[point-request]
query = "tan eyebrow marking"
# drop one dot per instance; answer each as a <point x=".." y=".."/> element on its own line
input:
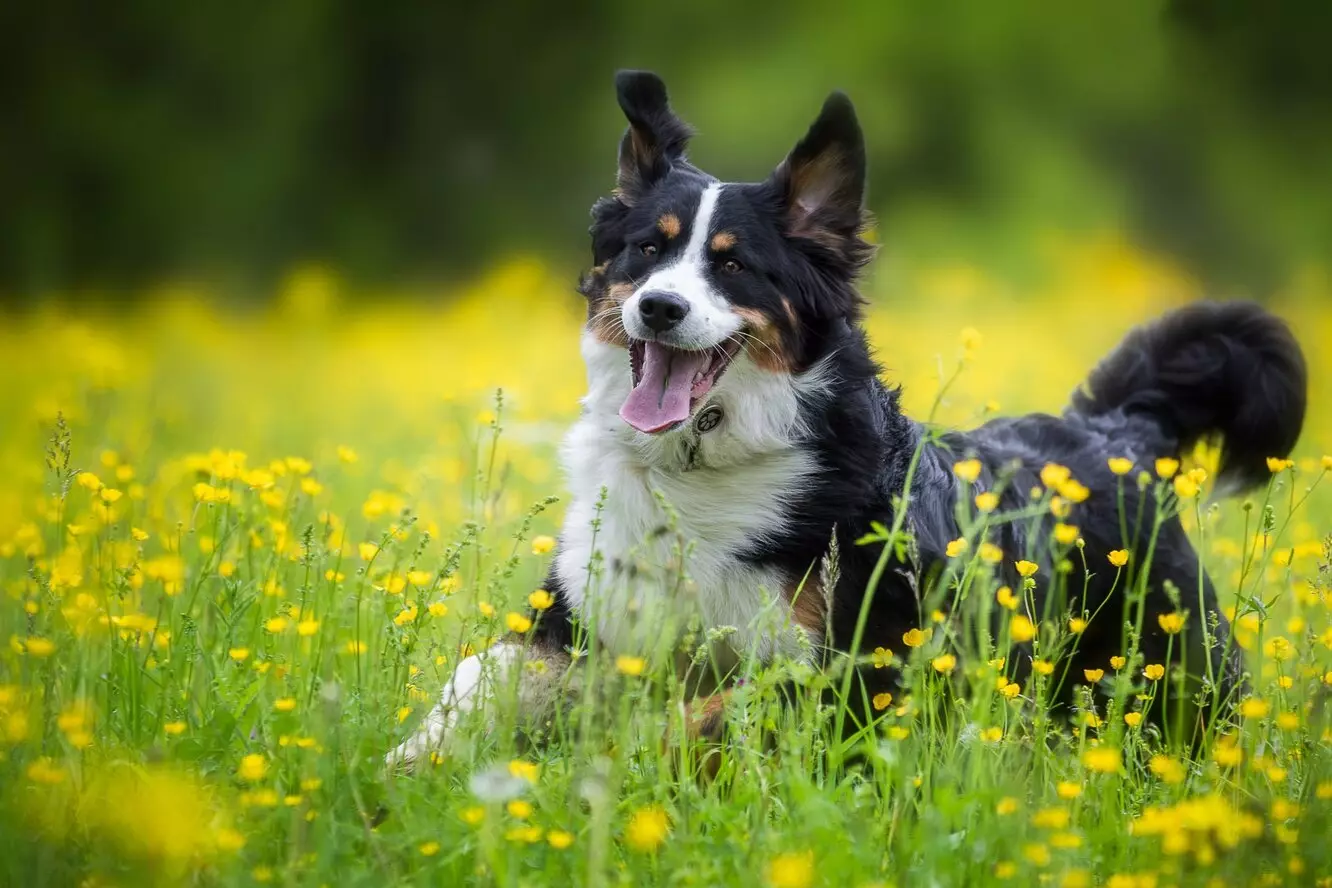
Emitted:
<point x="723" y="240"/>
<point x="669" y="225"/>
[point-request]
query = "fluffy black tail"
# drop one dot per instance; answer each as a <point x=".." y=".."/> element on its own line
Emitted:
<point x="1212" y="368"/>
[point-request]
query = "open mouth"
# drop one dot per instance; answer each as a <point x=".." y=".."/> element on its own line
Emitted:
<point x="669" y="383"/>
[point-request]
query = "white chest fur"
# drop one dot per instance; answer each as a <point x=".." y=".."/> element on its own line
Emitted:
<point x="679" y="505"/>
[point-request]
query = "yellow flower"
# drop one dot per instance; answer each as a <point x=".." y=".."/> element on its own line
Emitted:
<point x="1133" y="719"/>
<point x="1185" y="487"/>
<point x="1053" y="475"/>
<point x="1004" y="595"/>
<point x="630" y="665"/>
<point x="992" y="734"/>
<point x="1051" y="818"/>
<point x="110" y="494"/>
<point x="485" y="608"/>
<point x="35" y="646"/>
<point x="240" y="655"/>
<point x="968" y="470"/>
<point x="1118" y="663"/>
<point x="437" y="608"/>
<point x="44" y="770"/>
<point x="1022" y="629"/>
<point x="1067" y="789"/>
<point x="174" y="729"/>
<point x="139" y="535"/>
<point x="1102" y="759"/>
<point x="914" y="638"/>
<point x="881" y="658"/>
<point x="1005" y="869"/>
<point x="1077" y="625"/>
<point x="252" y="768"/>
<point x="429" y="849"/>
<point x="473" y="815"/>
<point x="559" y="839"/>
<point x="1007" y="805"/>
<point x="540" y="600"/>
<point x="1042" y="667"/>
<point x="542" y="545"/>
<point x="956" y="547"/>
<point x="519" y="808"/>
<point x="306" y="628"/>
<point x="1120" y="465"/>
<point x="1168" y="769"/>
<point x="971" y="339"/>
<point x="355" y="647"/>
<point x="346" y="454"/>
<point x="882" y="701"/>
<point x="944" y="663"/>
<point x="90" y="481"/>
<point x="1118" y="557"/>
<point x="1275" y="464"/>
<point x="1171" y="623"/>
<point x="990" y="553"/>
<point x="1036" y="854"/>
<point x="275" y="624"/>
<point x="367" y="551"/>
<point x="1010" y="689"/>
<point x="284" y="704"/>
<point x="791" y="870"/>
<point x="1093" y="675"/>
<point x="1226" y="753"/>
<point x="987" y="501"/>
<point x="1253" y="707"/>
<point x="1166" y="467"/>
<point x="517" y="622"/>
<point x="1154" y="671"/>
<point x="1066" y="534"/>
<point x="528" y="771"/>
<point x="647" y="829"/>
<point x="1074" y="492"/>
<point x="1027" y="569"/>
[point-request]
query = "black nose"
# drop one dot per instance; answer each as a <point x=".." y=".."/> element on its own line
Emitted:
<point x="661" y="310"/>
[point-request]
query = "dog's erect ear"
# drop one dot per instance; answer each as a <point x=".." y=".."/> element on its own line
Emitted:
<point x="822" y="180"/>
<point x="656" y="138"/>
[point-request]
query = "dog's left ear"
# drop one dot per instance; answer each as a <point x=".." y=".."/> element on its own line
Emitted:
<point x="822" y="182"/>
<point x="656" y="138"/>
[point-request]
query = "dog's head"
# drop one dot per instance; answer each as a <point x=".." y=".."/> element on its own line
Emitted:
<point x="692" y="275"/>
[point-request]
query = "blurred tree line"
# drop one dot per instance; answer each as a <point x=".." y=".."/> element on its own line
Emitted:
<point x="145" y="139"/>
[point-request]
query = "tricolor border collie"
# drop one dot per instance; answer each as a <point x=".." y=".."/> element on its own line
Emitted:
<point x="735" y="430"/>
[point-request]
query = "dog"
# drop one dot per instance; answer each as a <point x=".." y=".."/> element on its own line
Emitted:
<point x="736" y="431"/>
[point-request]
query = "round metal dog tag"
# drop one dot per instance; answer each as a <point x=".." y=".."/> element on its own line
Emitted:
<point x="709" y="418"/>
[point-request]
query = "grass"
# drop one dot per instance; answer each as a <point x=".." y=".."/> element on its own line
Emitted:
<point x="241" y="551"/>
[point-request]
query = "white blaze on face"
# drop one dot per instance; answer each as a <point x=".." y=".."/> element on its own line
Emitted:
<point x="710" y="319"/>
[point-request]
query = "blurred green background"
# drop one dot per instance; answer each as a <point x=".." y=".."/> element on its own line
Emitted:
<point x="145" y="141"/>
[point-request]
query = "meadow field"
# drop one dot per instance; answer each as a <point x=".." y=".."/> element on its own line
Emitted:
<point x="241" y="549"/>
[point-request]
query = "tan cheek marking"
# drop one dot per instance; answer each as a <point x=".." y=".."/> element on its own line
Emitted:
<point x="723" y="240"/>
<point x="764" y="343"/>
<point x="603" y="315"/>
<point x="669" y="225"/>
<point x="808" y="609"/>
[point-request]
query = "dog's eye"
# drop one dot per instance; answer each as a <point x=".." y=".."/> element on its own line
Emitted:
<point x="648" y="249"/>
<point x="730" y="266"/>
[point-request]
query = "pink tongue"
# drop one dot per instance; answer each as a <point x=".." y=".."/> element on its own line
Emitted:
<point x="661" y="397"/>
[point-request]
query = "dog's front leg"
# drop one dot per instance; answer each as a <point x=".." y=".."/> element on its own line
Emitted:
<point x="537" y="666"/>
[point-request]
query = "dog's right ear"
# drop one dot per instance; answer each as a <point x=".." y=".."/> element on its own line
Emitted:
<point x="656" y="138"/>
